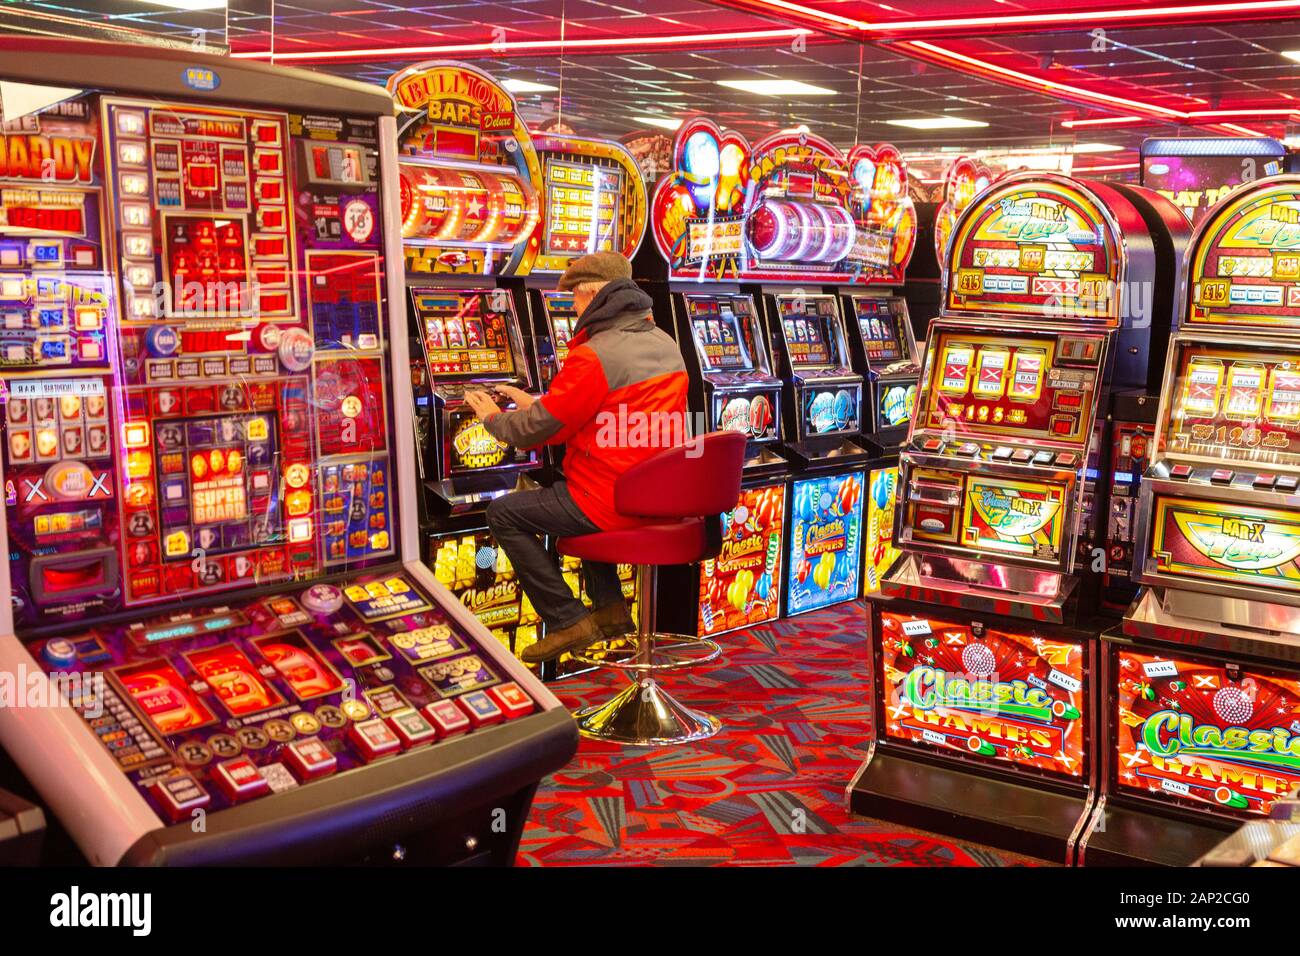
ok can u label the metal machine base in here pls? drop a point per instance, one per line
(1124, 836)
(645, 715)
(1000, 813)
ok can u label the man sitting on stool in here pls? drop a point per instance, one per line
(623, 380)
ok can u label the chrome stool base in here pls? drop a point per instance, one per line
(646, 715)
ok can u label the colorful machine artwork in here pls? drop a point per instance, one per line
(965, 179)
(992, 697)
(792, 204)
(878, 551)
(742, 585)
(825, 541)
(1207, 735)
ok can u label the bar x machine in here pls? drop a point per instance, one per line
(1201, 682)
(210, 504)
(1057, 292)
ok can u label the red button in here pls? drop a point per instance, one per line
(447, 717)
(412, 728)
(1066, 459)
(309, 759)
(1180, 471)
(514, 701)
(481, 709)
(180, 795)
(373, 738)
(239, 780)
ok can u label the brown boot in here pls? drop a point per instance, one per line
(614, 620)
(565, 640)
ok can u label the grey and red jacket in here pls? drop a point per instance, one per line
(620, 398)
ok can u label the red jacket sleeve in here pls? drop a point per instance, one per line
(576, 394)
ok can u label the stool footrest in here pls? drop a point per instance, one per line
(667, 652)
(646, 715)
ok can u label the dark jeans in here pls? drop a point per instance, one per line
(517, 519)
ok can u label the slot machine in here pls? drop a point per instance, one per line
(1201, 681)
(983, 636)
(472, 215)
(210, 496)
(1132, 436)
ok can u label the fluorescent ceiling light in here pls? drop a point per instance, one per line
(189, 4)
(663, 122)
(937, 122)
(1095, 148)
(1292, 54)
(777, 87)
(528, 86)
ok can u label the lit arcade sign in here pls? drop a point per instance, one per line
(791, 206)
(1190, 731)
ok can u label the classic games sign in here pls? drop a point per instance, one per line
(742, 585)
(989, 696)
(825, 542)
(1206, 736)
(791, 206)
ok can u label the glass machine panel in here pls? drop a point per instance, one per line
(199, 460)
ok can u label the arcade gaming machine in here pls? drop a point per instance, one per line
(471, 216)
(210, 497)
(593, 200)
(1201, 683)
(984, 650)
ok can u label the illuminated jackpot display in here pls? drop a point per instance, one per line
(994, 697)
(1037, 250)
(1038, 386)
(1247, 272)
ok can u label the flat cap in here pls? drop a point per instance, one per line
(597, 267)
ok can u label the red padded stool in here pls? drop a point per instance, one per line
(692, 484)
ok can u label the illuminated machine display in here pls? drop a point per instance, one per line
(210, 502)
(1201, 680)
(984, 648)
(1195, 173)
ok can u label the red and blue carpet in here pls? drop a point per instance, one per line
(767, 791)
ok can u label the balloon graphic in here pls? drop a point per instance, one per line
(738, 592)
(825, 567)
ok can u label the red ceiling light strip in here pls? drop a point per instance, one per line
(1104, 121)
(538, 47)
(989, 24)
(970, 64)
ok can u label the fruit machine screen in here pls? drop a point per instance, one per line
(1195, 174)
(1202, 734)
(812, 334)
(725, 333)
(583, 207)
(563, 319)
(1014, 699)
(1234, 404)
(880, 322)
(1031, 387)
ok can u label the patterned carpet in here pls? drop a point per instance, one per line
(767, 791)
